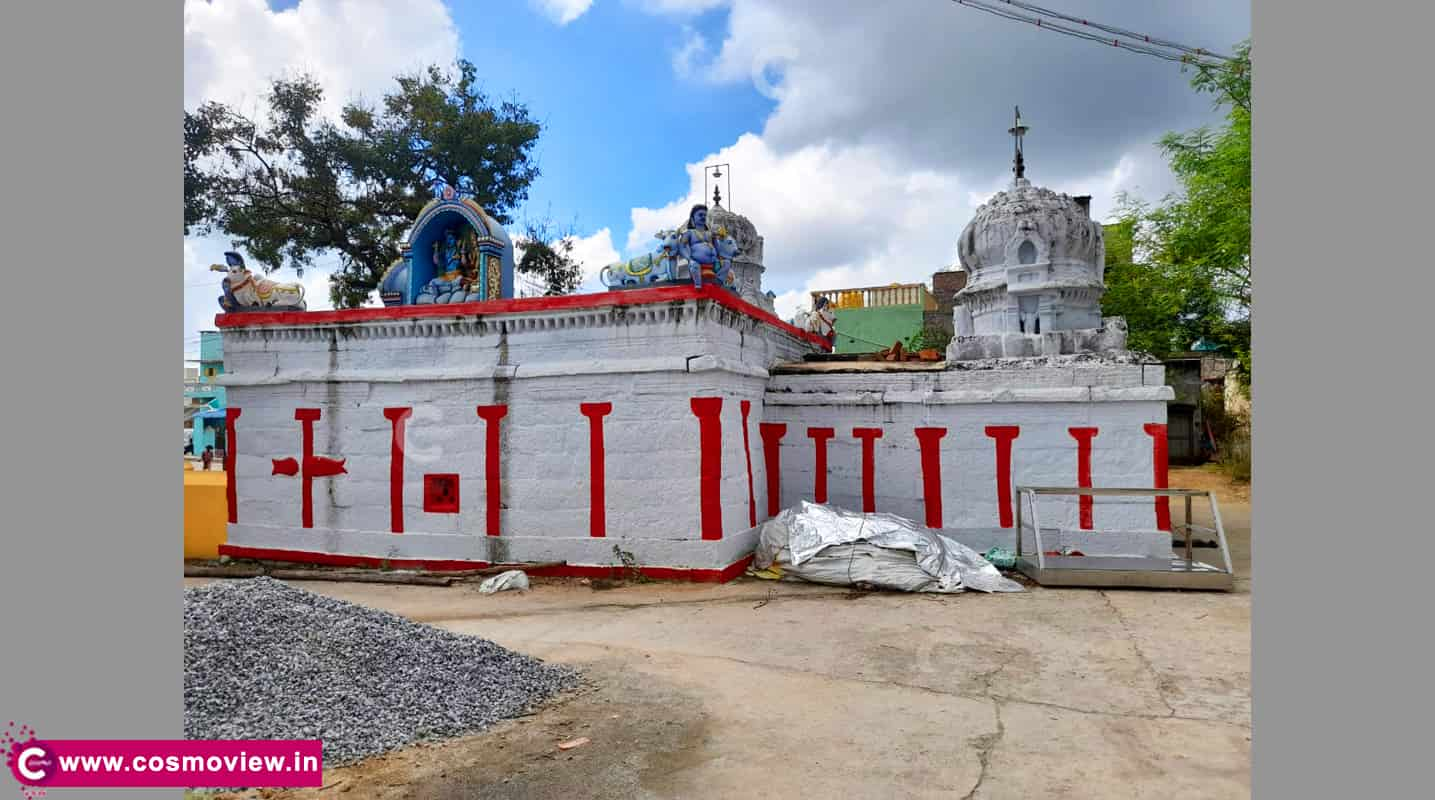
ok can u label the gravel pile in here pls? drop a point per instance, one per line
(264, 660)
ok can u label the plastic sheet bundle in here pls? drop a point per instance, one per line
(823, 544)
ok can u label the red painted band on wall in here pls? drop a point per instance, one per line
(772, 433)
(819, 437)
(746, 407)
(868, 436)
(697, 575)
(307, 417)
(397, 417)
(929, 440)
(1004, 435)
(1160, 465)
(708, 410)
(231, 446)
(1083, 437)
(597, 502)
(492, 485)
(633, 297)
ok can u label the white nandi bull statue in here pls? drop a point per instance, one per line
(244, 291)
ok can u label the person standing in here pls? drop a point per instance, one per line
(824, 322)
(208, 457)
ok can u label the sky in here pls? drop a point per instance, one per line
(861, 136)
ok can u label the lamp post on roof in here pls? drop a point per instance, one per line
(715, 170)
(1017, 131)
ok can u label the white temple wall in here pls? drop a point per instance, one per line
(650, 363)
(1043, 404)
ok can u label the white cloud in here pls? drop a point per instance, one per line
(680, 7)
(830, 216)
(593, 251)
(890, 128)
(687, 54)
(563, 11)
(202, 286)
(232, 48)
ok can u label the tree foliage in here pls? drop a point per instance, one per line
(293, 185)
(548, 256)
(1180, 270)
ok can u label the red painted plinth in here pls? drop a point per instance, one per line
(929, 440)
(708, 411)
(597, 502)
(1083, 437)
(1004, 434)
(493, 486)
(819, 437)
(772, 433)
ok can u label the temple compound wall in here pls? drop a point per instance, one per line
(655, 427)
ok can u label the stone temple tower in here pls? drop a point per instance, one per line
(747, 266)
(1035, 262)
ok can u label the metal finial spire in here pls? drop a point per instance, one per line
(1017, 131)
(717, 196)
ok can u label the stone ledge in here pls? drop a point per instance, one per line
(1058, 394)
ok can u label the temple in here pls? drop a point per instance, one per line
(655, 425)
(1035, 263)
(454, 253)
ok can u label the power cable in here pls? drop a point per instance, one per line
(1140, 43)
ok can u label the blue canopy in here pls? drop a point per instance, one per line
(211, 414)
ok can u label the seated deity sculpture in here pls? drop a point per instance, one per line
(454, 283)
(709, 253)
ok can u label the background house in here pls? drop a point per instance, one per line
(874, 317)
(203, 398)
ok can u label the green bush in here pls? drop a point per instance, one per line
(1236, 454)
(928, 338)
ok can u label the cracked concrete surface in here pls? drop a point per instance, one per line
(754, 689)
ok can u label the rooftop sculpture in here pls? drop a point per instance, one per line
(245, 291)
(1035, 262)
(724, 246)
(455, 253)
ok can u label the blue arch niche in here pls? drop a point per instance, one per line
(429, 229)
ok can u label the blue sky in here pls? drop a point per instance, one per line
(862, 136)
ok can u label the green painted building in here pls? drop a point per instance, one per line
(873, 318)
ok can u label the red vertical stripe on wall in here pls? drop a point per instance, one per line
(397, 417)
(1004, 435)
(772, 433)
(1160, 464)
(492, 485)
(708, 411)
(869, 436)
(819, 437)
(307, 417)
(231, 495)
(746, 406)
(597, 501)
(1083, 437)
(930, 442)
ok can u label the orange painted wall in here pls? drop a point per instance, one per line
(206, 513)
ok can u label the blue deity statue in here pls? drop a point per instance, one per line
(709, 253)
(451, 284)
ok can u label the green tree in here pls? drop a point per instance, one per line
(548, 256)
(1186, 272)
(294, 185)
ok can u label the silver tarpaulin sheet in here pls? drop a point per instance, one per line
(831, 545)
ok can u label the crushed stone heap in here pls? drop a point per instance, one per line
(265, 660)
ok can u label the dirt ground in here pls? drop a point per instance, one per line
(759, 689)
